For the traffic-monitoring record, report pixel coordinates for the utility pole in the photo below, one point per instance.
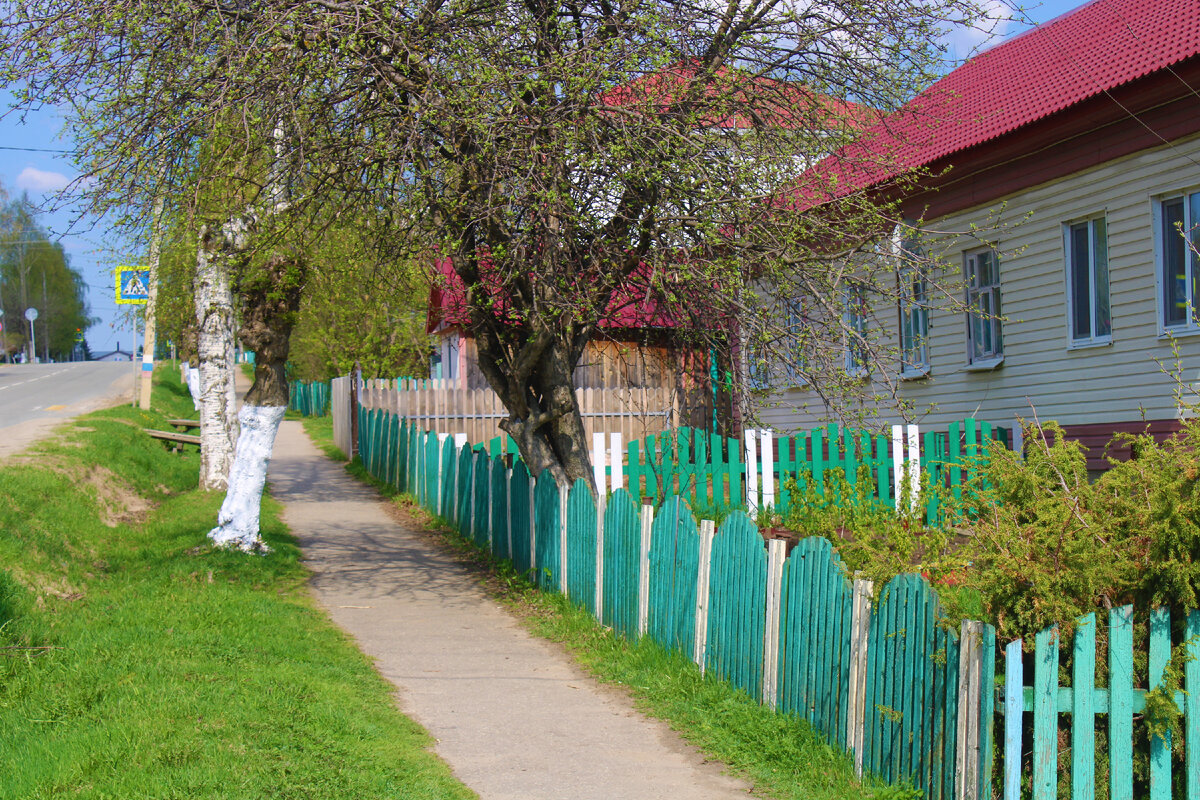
(151, 303)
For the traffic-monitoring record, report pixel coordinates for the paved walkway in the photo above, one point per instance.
(513, 716)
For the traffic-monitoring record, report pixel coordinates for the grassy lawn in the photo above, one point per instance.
(136, 662)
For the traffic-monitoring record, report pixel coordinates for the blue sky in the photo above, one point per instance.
(88, 244)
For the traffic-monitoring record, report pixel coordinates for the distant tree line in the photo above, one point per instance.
(36, 272)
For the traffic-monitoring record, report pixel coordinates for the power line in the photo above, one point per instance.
(36, 149)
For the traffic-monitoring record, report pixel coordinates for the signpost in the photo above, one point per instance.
(135, 288)
(31, 314)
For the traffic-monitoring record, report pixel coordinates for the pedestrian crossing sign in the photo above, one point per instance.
(133, 285)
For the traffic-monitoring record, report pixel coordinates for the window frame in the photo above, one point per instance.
(795, 321)
(856, 318)
(1093, 339)
(1191, 210)
(994, 357)
(913, 303)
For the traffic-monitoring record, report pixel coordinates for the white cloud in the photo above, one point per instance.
(36, 180)
(963, 40)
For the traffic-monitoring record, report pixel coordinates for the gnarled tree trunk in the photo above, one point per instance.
(271, 297)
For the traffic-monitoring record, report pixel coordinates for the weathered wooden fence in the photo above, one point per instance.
(442, 405)
(883, 680)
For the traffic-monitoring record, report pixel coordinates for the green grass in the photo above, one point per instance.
(320, 430)
(779, 753)
(137, 662)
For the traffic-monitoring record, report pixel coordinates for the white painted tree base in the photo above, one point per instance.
(237, 523)
(192, 378)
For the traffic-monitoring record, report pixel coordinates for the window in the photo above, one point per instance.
(985, 344)
(758, 372)
(795, 364)
(854, 320)
(1089, 316)
(1178, 227)
(914, 323)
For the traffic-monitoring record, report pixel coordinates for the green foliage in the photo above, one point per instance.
(870, 536)
(360, 308)
(1163, 715)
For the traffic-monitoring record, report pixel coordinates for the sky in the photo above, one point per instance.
(26, 167)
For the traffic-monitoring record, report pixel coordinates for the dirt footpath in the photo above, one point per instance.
(513, 716)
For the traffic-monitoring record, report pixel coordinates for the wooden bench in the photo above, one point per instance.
(172, 436)
(184, 423)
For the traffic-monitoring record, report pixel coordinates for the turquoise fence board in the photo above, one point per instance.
(1083, 714)
(1045, 715)
(1014, 689)
(1191, 677)
(1120, 711)
(987, 713)
(480, 489)
(1160, 746)
(462, 481)
(622, 564)
(549, 565)
(444, 489)
(674, 562)
(581, 546)
(736, 604)
(309, 398)
(911, 713)
(500, 515)
(520, 513)
(949, 712)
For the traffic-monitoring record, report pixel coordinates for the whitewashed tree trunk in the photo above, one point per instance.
(215, 346)
(192, 379)
(237, 523)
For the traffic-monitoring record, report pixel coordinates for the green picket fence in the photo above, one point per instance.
(309, 398)
(876, 673)
(710, 471)
(790, 630)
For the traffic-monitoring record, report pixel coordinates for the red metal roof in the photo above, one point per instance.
(633, 307)
(1088, 51)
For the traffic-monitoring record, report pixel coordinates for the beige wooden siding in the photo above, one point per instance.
(1100, 384)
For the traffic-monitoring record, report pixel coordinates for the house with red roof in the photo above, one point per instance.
(638, 346)
(1062, 183)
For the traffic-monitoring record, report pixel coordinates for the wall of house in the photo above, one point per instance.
(1119, 382)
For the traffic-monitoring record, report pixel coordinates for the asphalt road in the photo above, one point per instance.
(36, 397)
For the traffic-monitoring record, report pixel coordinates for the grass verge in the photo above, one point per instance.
(779, 753)
(136, 661)
(320, 430)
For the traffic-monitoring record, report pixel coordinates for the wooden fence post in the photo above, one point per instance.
(616, 459)
(751, 472)
(966, 757)
(703, 574)
(856, 708)
(643, 621)
(767, 455)
(776, 556)
(599, 476)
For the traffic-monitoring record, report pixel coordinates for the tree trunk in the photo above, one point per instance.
(214, 319)
(271, 297)
(544, 418)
